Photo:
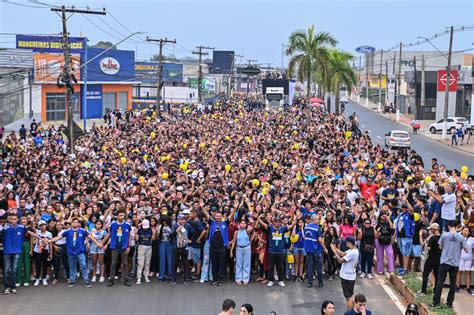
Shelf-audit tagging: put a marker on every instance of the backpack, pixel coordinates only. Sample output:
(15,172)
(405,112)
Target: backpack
(385,235)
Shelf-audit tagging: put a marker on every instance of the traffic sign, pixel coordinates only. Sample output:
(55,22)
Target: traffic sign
(248,71)
(453,82)
(365,49)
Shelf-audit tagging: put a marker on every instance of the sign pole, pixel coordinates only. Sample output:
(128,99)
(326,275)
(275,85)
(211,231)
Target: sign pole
(84,92)
(444,136)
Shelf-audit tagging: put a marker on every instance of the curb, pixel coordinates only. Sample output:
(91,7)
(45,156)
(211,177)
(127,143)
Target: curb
(407,295)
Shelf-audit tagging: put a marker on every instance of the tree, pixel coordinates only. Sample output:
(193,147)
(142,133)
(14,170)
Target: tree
(338,73)
(103,45)
(309,52)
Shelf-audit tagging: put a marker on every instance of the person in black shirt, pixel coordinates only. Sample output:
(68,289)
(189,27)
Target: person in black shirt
(144,237)
(434,256)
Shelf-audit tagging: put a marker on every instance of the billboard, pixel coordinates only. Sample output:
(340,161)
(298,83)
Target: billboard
(453,81)
(222,61)
(114,65)
(49,44)
(275,83)
(148,72)
(47,68)
(94,101)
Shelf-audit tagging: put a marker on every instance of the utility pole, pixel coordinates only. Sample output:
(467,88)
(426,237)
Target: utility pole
(67,77)
(417,109)
(159,84)
(248,76)
(399,83)
(422,96)
(448,81)
(201,53)
(386,81)
(380,80)
(367,84)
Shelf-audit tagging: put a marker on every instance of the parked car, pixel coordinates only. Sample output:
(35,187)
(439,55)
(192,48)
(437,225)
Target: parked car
(453,123)
(344,100)
(397,139)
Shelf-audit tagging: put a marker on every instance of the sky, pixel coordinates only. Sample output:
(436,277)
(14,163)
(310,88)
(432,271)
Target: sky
(255,29)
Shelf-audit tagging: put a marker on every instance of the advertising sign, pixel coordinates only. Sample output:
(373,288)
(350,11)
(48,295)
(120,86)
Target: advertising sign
(47,68)
(114,65)
(365,49)
(94,101)
(148,71)
(222,61)
(49,44)
(453,82)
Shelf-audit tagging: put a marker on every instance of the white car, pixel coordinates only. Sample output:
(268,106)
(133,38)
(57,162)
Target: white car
(453,123)
(344,100)
(397,139)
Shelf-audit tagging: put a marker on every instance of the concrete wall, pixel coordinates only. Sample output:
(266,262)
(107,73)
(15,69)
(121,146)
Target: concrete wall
(440,104)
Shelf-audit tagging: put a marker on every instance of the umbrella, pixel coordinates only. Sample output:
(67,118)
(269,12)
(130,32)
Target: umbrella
(316,104)
(316,100)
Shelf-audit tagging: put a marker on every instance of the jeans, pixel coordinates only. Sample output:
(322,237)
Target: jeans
(242,263)
(218,256)
(144,258)
(206,270)
(113,268)
(57,260)
(380,248)
(180,255)
(166,259)
(444,269)
(367,261)
(430,266)
(24,264)
(10,265)
(81,259)
(276,260)
(314,262)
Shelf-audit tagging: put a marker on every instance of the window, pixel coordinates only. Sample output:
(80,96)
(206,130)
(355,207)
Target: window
(108,101)
(274,97)
(400,135)
(123,101)
(450,120)
(55,106)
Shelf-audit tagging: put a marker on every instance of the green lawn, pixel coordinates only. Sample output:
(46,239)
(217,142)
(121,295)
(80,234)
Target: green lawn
(414,283)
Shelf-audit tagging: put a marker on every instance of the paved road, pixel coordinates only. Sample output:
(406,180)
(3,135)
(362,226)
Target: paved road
(427,148)
(160,298)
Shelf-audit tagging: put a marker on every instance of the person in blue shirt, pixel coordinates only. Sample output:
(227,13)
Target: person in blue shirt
(38,140)
(276,247)
(404,230)
(76,251)
(120,237)
(13,234)
(314,248)
(434,210)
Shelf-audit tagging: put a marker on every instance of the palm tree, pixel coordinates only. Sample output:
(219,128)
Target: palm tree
(339,73)
(308,51)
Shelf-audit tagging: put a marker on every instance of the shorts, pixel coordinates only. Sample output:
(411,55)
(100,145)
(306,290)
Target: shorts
(416,250)
(405,244)
(195,254)
(465,264)
(96,250)
(299,251)
(347,287)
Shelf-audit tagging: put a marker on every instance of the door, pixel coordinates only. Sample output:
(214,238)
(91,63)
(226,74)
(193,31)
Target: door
(123,101)
(108,101)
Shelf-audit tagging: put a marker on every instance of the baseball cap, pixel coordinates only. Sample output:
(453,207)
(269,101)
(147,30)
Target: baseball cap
(180,216)
(433,226)
(186,211)
(350,239)
(412,309)
(41,222)
(145,224)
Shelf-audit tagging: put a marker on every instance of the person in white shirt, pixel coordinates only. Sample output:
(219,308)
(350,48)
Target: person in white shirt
(448,201)
(42,253)
(349,260)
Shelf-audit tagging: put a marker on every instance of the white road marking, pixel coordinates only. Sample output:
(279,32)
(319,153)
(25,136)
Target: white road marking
(379,137)
(370,131)
(363,126)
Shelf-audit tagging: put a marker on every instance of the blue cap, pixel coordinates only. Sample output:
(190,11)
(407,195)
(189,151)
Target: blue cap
(351,239)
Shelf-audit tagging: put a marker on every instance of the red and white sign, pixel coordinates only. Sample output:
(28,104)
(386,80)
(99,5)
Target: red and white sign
(453,82)
(109,65)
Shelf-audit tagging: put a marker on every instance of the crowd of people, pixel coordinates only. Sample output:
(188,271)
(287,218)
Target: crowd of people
(236,193)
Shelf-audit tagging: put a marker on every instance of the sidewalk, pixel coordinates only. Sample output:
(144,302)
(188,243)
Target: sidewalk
(406,120)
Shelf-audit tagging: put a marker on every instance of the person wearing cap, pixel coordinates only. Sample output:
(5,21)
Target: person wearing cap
(433,253)
(314,248)
(404,231)
(451,243)
(76,250)
(412,309)
(42,253)
(390,193)
(180,233)
(348,260)
(144,236)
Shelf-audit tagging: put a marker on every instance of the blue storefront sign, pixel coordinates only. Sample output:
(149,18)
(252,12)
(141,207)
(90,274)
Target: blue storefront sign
(49,44)
(111,66)
(148,71)
(94,101)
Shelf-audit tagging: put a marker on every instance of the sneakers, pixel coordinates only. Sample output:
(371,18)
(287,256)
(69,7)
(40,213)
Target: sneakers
(6,292)
(186,283)
(362,275)
(110,283)
(458,289)
(331,278)
(45,282)
(281,284)
(37,282)
(309,285)
(173,283)
(214,283)
(13,291)
(94,278)
(87,284)
(147,280)
(370,276)
(420,292)
(139,282)
(435,306)
(17,284)
(26,284)
(468,290)
(71,284)
(126,282)
(270,284)
(102,279)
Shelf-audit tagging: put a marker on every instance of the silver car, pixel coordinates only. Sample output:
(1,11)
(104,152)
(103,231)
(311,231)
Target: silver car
(397,139)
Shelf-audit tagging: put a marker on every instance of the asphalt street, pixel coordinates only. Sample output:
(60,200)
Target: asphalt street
(378,126)
(161,298)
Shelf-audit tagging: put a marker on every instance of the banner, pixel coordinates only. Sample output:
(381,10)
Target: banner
(94,101)
(47,68)
(49,44)
(453,82)
(148,72)
(112,66)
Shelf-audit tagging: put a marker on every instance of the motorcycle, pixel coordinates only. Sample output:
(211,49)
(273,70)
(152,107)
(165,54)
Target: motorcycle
(389,109)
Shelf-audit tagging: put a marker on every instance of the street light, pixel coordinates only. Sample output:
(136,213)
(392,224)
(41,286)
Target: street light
(448,80)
